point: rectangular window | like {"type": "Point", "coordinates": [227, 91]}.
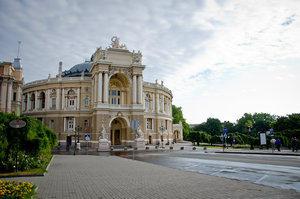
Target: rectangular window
{"type": "Point", "coordinates": [149, 123]}
{"type": "Point", "coordinates": [53, 102]}
{"type": "Point", "coordinates": [71, 102]}
{"type": "Point", "coordinates": [86, 123]}
{"type": "Point", "coordinates": [70, 124]}
{"type": "Point", "coordinates": [166, 124]}
{"type": "Point", "coordinates": [51, 124]}
{"type": "Point", "coordinates": [86, 102]}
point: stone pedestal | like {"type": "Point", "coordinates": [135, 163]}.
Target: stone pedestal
{"type": "Point", "coordinates": [104, 145]}
{"type": "Point", "coordinates": [139, 143]}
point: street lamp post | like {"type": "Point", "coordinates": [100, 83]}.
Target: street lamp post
{"type": "Point", "coordinates": [162, 135]}
{"type": "Point", "coordinates": [77, 129]}
{"type": "Point", "coordinates": [251, 143]}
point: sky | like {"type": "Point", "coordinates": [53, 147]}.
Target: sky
{"type": "Point", "coordinates": [220, 58]}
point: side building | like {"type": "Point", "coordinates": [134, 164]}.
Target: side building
{"type": "Point", "coordinates": [107, 92]}
{"type": "Point", "coordinates": [11, 83]}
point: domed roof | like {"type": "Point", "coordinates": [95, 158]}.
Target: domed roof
{"type": "Point", "coordinates": [76, 70]}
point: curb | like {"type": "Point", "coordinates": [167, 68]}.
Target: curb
{"type": "Point", "coordinates": [259, 153]}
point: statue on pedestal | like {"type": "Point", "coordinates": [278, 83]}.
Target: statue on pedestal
{"type": "Point", "coordinates": [103, 133]}
{"type": "Point", "coordinates": [139, 133]}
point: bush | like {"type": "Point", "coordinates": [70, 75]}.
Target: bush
{"type": "Point", "coordinates": [29, 144]}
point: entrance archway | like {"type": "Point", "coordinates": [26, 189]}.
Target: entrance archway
{"type": "Point", "coordinates": [118, 132]}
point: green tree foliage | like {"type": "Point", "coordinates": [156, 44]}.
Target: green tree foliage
{"type": "Point", "coordinates": [28, 142]}
{"type": "Point", "coordinates": [243, 123]}
{"type": "Point", "coordinates": [177, 117]}
{"type": "Point", "coordinates": [286, 127]}
{"type": "Point", "coordinates": [213, 126]}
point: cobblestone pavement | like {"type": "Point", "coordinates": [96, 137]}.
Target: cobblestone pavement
{"type": "Point", "coordinates": [85, 176]}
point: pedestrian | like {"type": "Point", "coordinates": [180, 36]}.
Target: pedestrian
{"type": "Point", "coordinates": [278, 144]}
{"type": "Point", "coordinates": [294, 144]}
{"type": "Point", "coordinates": [273, 141]}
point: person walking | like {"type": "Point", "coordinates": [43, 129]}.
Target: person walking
{"type": "Point", "coordinates": [273, 141]}
{"type": "Point", "coordinates": [278, 144]}
{"type": "Point", "coordinates": [294, 144]}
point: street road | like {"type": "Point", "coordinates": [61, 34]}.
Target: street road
{"type": "Point", "coordinates": [271, 170]}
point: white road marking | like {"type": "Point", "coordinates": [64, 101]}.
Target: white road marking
{"type": "Point", "coordinates": [261, 179]}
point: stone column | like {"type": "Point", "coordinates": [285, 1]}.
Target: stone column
{"type": "Point", "coordinates": [57, 99]}
{"type": "Point", "coordinates": [74, 123]}
{"type": "Point", "coordinates": [47, 99]}
{"type": "Point", "coordinates": [95, 89]}
{"type": "Point", "coordinates": [100, 88]}
{"type": "Point", "coordinates": [134, 89]}
{"type": "Point", "coordinates": [63, 99]}
{"type": "Point", "coordinates": [78, 98]}
{"type": "Point", "coordinates": [156, 102]}
{"type": "Point", "coordinates": [3, 95]}
{"type": "Point", "coordinates": [140, 89]}
{"type": "Point", "coordinates": [105, 88]}
{"type": "Point", "coordinates": [65, 120]}
{"type": "Point", "coordinates": [35, 100]}
{"type": "Point", "coordinates": [28, 102]}
{"type": "Point", "coordinates": [23, 104]}
{"type": "Point", "coordinates": [9, 93]}
{"type": "Point", "coordinates": [163, 103]}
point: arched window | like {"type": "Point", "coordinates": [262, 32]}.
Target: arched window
{"type": "Point", "coordinates": [42, 100]}
{"type": "Point", "coordinates": [147, 101]}
{"type": "Point", "coordinates": [71, 98]}
{"type": "Point", "coordinates": [32, 102]}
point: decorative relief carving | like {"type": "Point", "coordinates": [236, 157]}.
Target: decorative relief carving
{"type": "Point", "coordinates": [115, 69]}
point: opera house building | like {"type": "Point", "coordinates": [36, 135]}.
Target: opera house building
{"type": "Point", "coordinates": [107, 92]}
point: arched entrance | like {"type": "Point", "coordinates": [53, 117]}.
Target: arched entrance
{"type": "Point", "coordinates": [118, 132]}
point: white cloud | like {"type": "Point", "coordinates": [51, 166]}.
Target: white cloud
{"type": "Point", "coordinates": [211, 54]}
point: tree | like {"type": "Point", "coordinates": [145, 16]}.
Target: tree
{"type": "Point", "coordinates": [243, 123]}
{"type": "Point", "coordinates": [213, 126]}
{"type": "Point", "coordinates": [178, 116]}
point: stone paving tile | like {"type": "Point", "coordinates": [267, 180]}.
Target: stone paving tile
{"type": "Point", "coordinates": [101, 177]}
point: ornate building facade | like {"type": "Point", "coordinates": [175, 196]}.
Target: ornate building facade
{"type": "Point", "coordinates": [11, 82]}
{"type": "Point", "coordinates": [107, 91]}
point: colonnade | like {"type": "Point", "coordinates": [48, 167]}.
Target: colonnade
{"type": "Point", "coordinates": [60, 102]}
{"type": "Point", "coordinates": [100, 84]}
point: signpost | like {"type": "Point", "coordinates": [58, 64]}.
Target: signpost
{"type": "Point", "coordinates": [271, 132]}
{"type": "Point", "coordinates": [225, 136]}
{"type": "Point", "coordinates": [87, 138]}
{"type": "Point", "coordinates": [263, 140]}
{"type": "Point", "coordinates": [17, 124]}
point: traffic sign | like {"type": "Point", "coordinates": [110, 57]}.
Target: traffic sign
{"type": "Point", "coordinates": [87, 137]}
{"type": "Point", "coordinates": [225, 131]}
{"type": "Point", "coordinates": [271, 132]}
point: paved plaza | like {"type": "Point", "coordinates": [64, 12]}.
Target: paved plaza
{"type": "Point", "coordinates": [87, 176]}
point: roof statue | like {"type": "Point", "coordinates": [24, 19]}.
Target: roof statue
{"type": "Point", "coordinates": [137, 57]}
{"type": "Point", "coordinates": [115, 43]}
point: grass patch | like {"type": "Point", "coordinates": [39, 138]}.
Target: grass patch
{"type": "Point", "coordinates": [31, 172]}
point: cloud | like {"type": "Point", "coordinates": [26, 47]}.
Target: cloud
{"type": "Point", "coordinates": [206, 52]}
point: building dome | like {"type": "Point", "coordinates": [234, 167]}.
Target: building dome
{"type": "Point", "coordinates": [76, 70]}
